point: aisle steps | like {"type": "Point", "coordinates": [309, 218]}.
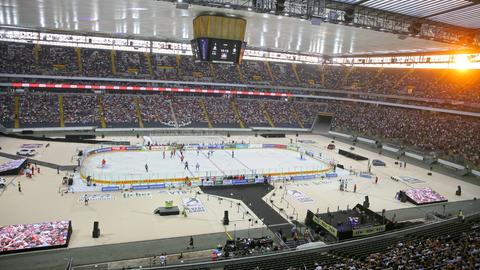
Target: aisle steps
{"type": "Point", "coordinates": [17, 112]}
{"type": "Point", "coordinates": [237, 113]}
{"type": "Point", "coordinates": [100, 111]}
{"type": "Point", "coordinates": [205, 112]}
{"type": "Point", "coordinates": [60, 110]}
{"type": "Point", "coordinates": [138, 112]}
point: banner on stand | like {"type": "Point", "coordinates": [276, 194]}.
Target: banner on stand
{"type": "Point", "coordinates": [193, 205]}
{"type": "Point", "coordinates": [299, 196]}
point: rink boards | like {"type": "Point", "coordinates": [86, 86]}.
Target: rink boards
{"type": "Point", "coordinates": [250, 163]}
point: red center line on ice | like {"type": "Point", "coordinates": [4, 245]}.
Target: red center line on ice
{"type": "Point", "coordinates": [210, 159]}
{"type": "Point", "coordinates": [243, 164]}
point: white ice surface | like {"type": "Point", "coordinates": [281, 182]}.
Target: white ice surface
{"type": "Point", "coordinates": [131, 165]}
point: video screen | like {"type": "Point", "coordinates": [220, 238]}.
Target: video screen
{"type": "Point", "coordinates": [424, 195]}
{"type": "Point", "coordinates": [225, 50]}
{"type": "Point", "coordinates": [26, 237]}
{"type": "Point", "coordinates": [14, 164]}
{"type": "Point", "coordinates": [217, 50]}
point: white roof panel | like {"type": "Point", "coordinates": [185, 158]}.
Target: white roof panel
{"type": "Point", "coordinates": [468, 17]}
{"type": "Point", "coordinates": [417, 8]}
{"type": "Point", "coordinates": [162, 20]}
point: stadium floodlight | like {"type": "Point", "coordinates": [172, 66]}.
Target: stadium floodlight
{"type": "Point", "coordinates": [181, 5]}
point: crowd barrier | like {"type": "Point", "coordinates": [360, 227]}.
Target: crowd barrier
{"type": "Point", "coordinates": [365, 140]}
{"type": "Point", "coordinates": [415, 156]}
{"type": "Point", "coordinates": [391, 149]}
{"type": "Point", "coordinates": [451, 164]}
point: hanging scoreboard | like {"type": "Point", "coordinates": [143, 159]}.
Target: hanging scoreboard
{"type": "Point", "coordinates": [218, 39]}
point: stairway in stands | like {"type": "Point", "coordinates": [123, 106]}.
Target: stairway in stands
{"type": "Point", "coordinates": [240, 73]}
{"type": "Point", "coordinates": [79, 60]}
{"type": "Point", "coordinates": [322, 75]}
{"type": "Point", "coordinates": [267, 116]}
{"type": "Point", "coordinates": [36, 55]}
{"type": "Point", "coordinates": [347, 72]}
{"type": "Point", "coordinates": [138, 112]}
{"type": "Point", "coordinates": [101, 112]}
{"type": "Point", "coordinates": [237, 113]}
{"type": "Point", "coordinates": [270, 73]}
{"type": "Point", "coordinates": [174, 117]}
{"type": "Point", "coordinates": [212, 71]}
{"type": "Point", "coordinates": [295, 71]}
{"type": "Point", "coordinates": [60, 110]}
{"type": "Point", "coordinates": [177, 60]}
{"type": "Point", "coordinates": [205, 112]}
{"type": "Point", "coordinates": [374, 79]}
{"type": "Point", "coordinates": [113, 61]}
{"type": "Point", "coordinates": [293, 244]}
{"type": "Point", "coordinates": [399, 81]}
{"type": "Point", "coordinates": [297, 117]}
{"type": "Point", "coordinates": [17, 112]}
{"type": "Point", "coordinates": [148, 58]}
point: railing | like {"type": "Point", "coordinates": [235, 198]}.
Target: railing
{"type": "Point", "coordinates": [394, 234]}
{"type": "Point", "coordinates": [179, 177]}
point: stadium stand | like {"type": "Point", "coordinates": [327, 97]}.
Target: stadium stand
{"type": "Point", "coordinates": [81, 110]}
{"type": "Point", "coordinates": [155, 111]}
{"type": "Point", "coordinates": [53, 60]}
{"type": "Point", "coordinates": [39, 110]}
{"type": "Point", "coordinates": [449, 246]}
{"type": "Point", "coordinates": [119, 111]}
{"type": "Point", "coordinates": [454, 136]}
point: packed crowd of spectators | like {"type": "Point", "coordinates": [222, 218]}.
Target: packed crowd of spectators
{"type": "Point", "coordinates": [255, 72]}
{"type": "Point", "coordinates": [52, 60]}
{"type": "Point", "coordinates": [131, 64]}
{"type": "Point", "coordinates": [188, 112]}
{"type": "Point", "coordinates": [165, 67]}
{"type": "Point", "coordinates": [282, 113]}
{"type": "Point", "coordinates": [307, 111]}
{"type": "Point", "coordinates": [360, 77]}
{"type": "Point", "coordinates": [283, 74]}
{"type": "Point", "coordinates": [443, 252]}
{"type": "Point", "coordinates": [96, 63]}
{"type": "Point", "coordinates": [310, 75]}
{"type": "Point", "coordinates": [39, 110]}
{"type": "Point", "coordinates": [251, 111]}
{"type": "Point", "coordinates": [457, 136]}
{"type": "Point", "coordinates": [195, 71]}
{"type": "Point", "coordinates": [80, 109]}
{"type": "Point", "coordinates": [17, 58]}
{"type": "Point", "coordinates": [7, 115]}
{"type": "Point", "coordinates": [220, 112]}
{"type": "Point", "coordinates": [155, 110]}
{"type": "Point", "coordinates": [228, 74]}
{"type": "Point", "coordinates": [119, 110]}
{"type": "Point", "coordinates": [333, 76]}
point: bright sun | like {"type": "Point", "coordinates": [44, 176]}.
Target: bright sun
{"type": "Point", "coordinates": [462, 62]}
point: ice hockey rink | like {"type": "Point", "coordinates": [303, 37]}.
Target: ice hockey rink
{"type": "Point", "coordinates": [130, 165]}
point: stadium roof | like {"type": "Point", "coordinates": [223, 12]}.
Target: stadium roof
{"type": "Point", "coordinates": [464, 13]}
{"type": "Point", "coordinates": [162, 20]}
